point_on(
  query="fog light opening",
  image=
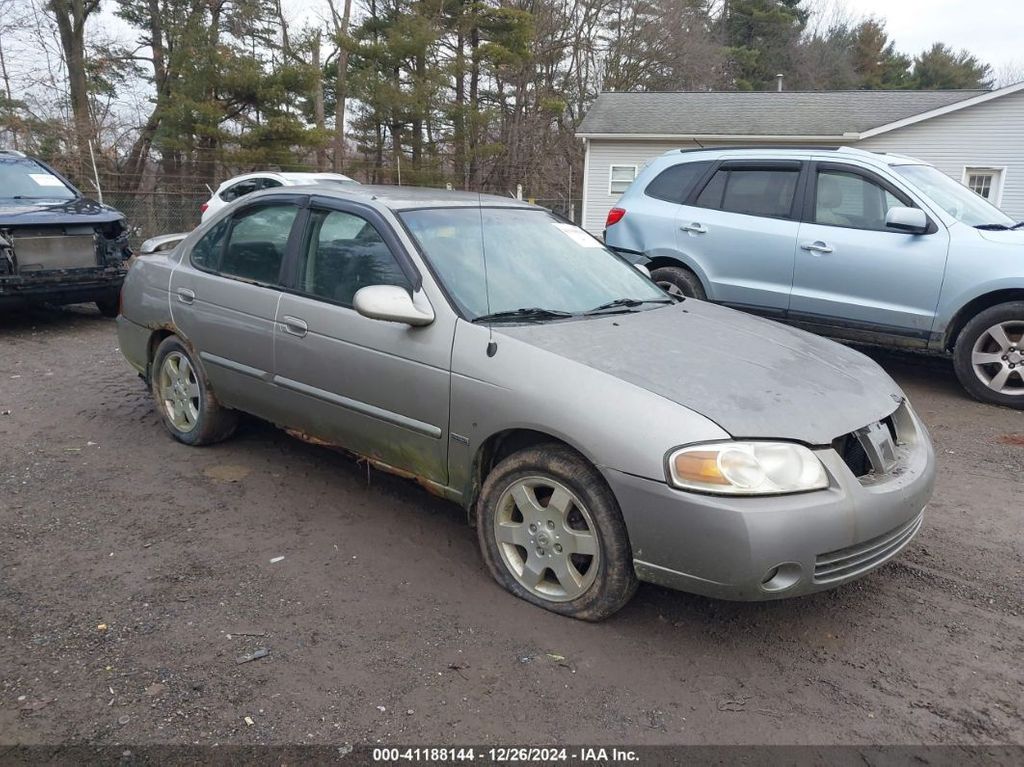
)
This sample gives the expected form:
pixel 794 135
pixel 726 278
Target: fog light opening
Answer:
pixel 782 577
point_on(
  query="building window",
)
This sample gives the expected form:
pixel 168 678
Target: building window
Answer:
pixel 984 182
pixel 620 177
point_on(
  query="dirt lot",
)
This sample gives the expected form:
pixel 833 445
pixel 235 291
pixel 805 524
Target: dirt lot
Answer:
pixel 134 571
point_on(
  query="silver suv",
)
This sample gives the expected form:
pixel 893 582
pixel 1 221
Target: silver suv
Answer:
pixel 868 247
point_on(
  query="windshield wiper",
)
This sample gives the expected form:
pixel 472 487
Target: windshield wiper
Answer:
pixel 629 303
pixel 1019 225
pixel 525 314
pixel 995 227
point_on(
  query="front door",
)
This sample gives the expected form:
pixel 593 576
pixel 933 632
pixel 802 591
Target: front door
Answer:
pixel 379 389
pixel 854 273
pixel 741 229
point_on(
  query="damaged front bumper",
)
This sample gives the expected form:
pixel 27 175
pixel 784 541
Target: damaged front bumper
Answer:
pixel 22 283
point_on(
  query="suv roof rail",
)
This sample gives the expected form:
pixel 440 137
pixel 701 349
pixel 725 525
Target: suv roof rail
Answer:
pixel 799 147
pixel 13 152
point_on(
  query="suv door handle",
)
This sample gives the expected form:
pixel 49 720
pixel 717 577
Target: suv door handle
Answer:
pixel 294 325
pixel 816 247
pixel 695 227
pixel 186 296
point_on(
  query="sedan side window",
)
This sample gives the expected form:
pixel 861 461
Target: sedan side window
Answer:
pixel 240 189
pixel 346 253
pixel 206 253
pixel 256 244
pixel 851 200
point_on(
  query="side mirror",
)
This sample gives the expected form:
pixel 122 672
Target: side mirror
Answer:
pixel 910 220
pixel 392 304
pixel 643 270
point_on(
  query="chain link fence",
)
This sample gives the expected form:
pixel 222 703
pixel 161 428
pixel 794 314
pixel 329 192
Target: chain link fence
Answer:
pixel 154 213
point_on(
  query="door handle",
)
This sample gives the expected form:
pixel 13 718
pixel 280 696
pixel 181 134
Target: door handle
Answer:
pixel 695 227
pixel 295 326
pixel 186 296
pixel 816 247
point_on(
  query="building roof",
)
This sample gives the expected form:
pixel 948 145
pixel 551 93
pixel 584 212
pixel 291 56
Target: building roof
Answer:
pixel 826 114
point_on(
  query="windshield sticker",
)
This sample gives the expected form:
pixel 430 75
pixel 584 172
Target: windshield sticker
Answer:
pixel 577 235
pixel 45 179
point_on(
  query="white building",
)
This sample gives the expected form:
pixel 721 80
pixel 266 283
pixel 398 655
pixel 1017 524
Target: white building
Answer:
pixel 975 136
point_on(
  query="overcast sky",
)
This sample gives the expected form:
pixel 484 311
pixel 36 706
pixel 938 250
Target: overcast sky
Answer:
pixel 993 30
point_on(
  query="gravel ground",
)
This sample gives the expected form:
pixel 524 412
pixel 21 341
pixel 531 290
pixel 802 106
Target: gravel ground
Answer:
pixel 135 572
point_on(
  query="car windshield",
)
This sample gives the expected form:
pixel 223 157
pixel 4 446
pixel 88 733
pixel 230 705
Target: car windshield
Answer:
pixel 956 199
pixel 536 265
pixel 25 179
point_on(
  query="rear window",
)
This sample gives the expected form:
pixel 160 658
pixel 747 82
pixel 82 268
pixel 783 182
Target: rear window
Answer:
pixel 25 179
pixel 675 184
pixel 751 191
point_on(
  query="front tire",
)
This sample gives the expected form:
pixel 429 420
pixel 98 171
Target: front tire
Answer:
pixel 551 532
pixel 189 410
pixel 989 355
pixel 679 281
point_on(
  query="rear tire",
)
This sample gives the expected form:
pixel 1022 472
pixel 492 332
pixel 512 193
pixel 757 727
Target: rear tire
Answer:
pixel 188 408
pixel 109 306
pixel 679 281
pixel 551 532
pixel 989 355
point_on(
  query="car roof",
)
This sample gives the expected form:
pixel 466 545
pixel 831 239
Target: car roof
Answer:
pixel 304 175
pixel 408 197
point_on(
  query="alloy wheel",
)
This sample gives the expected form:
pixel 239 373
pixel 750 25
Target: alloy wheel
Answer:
pixel 179 391
pixel 998 357
pixel 547 539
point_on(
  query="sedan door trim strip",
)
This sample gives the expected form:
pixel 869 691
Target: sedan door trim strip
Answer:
pixel 237 367
pixel 419 427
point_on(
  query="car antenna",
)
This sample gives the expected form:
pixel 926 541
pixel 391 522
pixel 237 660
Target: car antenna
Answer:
pixel 492 345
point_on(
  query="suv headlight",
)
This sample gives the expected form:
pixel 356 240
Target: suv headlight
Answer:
pixel 746 468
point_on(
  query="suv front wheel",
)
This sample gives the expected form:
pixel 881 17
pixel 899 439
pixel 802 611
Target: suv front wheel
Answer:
pixel 989 355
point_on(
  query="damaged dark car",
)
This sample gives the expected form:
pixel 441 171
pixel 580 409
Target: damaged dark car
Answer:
pixel 56 246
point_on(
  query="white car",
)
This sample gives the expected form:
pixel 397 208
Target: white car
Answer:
pixel 239 186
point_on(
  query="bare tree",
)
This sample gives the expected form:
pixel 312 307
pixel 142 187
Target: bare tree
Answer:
pixel 341 23
pixel 71 17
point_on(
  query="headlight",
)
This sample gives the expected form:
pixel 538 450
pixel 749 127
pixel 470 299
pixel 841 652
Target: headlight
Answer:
pixel 746 468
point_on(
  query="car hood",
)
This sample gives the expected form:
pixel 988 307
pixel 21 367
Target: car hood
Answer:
pixel 1003 236
pixel 753 377
pixel 81 210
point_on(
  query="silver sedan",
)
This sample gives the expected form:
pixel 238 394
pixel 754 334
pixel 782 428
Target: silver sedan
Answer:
pixel 597 430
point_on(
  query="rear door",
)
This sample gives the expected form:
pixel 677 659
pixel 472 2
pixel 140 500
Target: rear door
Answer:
pixel 740 228
pixel 224 299
pixel 380 389
pixel 851 271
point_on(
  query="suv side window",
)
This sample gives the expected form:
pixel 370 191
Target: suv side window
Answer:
pixel 751 191
pixel 849 199
pixel 674 184
pixel 344 254
pixel 256 243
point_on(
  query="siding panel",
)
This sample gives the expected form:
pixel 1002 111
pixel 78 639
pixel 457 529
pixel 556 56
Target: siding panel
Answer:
pixel 990 134
pixel 604 154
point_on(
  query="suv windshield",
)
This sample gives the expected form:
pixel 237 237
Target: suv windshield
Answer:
pixel 25 179
pixel 537 266
pixel 956 199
